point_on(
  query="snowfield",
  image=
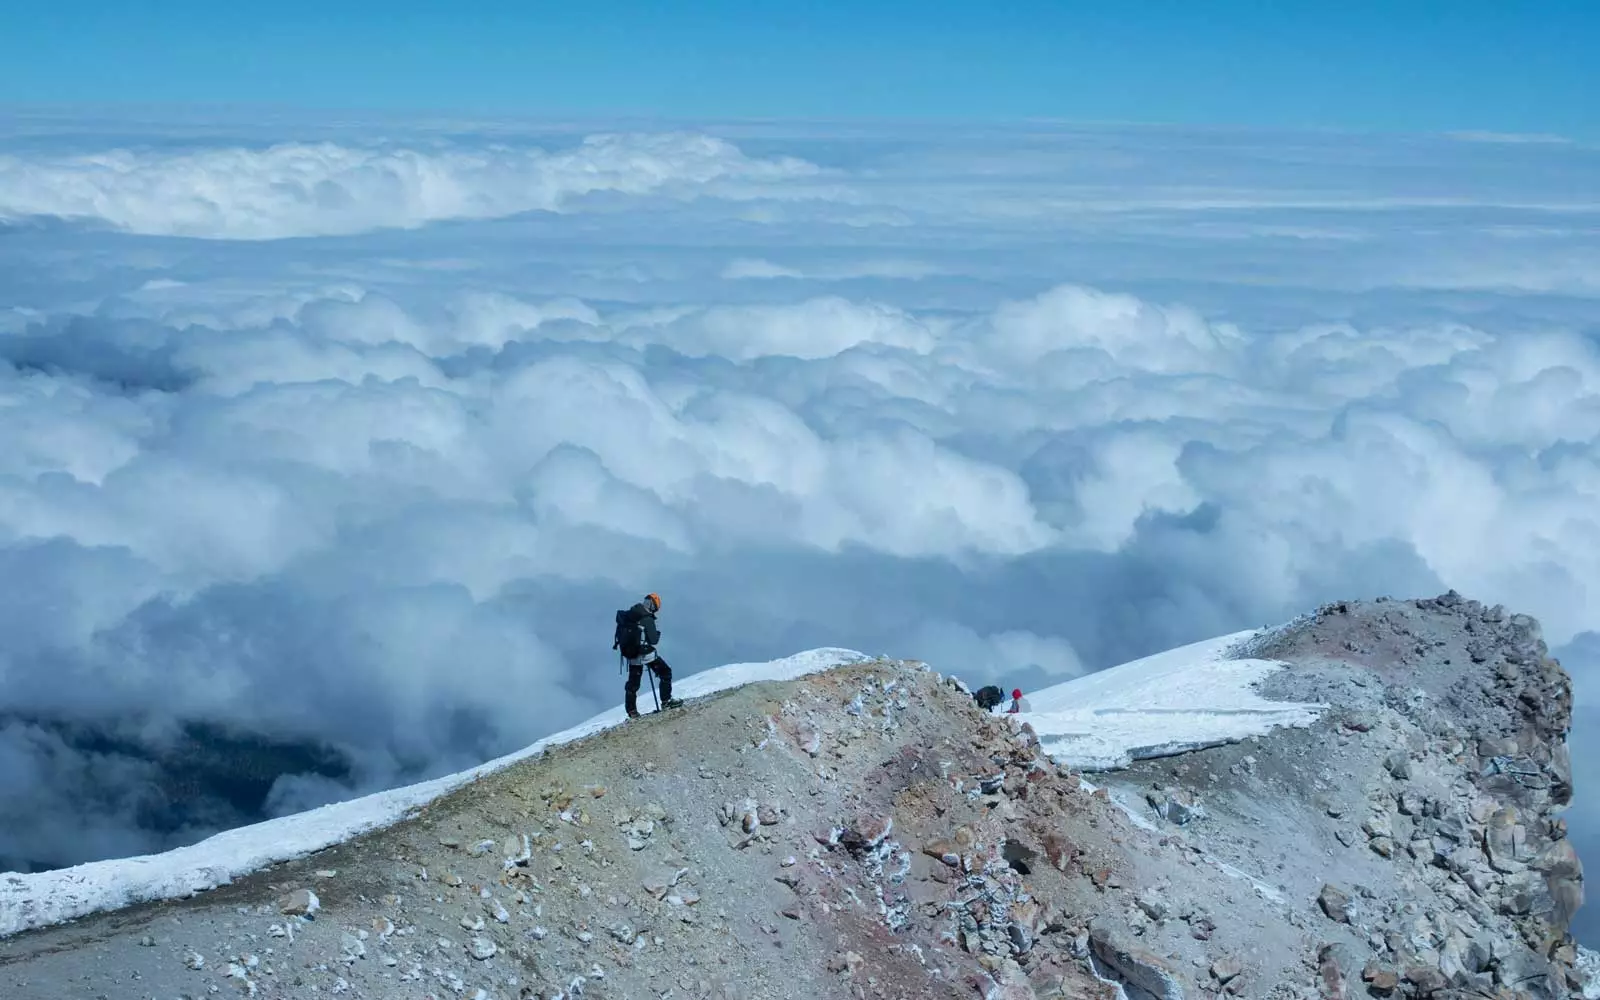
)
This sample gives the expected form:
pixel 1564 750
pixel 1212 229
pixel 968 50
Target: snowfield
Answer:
pixel 1184 699
pixel 45 898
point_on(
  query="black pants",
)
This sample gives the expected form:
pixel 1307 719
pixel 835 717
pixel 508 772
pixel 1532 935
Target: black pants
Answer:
pixel 630 690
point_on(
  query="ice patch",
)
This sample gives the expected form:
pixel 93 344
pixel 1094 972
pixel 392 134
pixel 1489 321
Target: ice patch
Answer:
pixel 45 898
pixel 1184 699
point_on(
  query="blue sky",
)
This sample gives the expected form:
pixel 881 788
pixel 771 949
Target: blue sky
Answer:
pixel 1422 65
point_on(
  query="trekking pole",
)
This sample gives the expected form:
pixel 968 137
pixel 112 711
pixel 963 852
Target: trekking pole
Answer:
pixel 652 672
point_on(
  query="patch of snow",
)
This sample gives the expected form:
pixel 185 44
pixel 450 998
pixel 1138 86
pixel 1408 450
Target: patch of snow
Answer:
pixel 1119 799
pixel 1131 809
pixel 1588 966
pixel 1184 699
pixel 45 898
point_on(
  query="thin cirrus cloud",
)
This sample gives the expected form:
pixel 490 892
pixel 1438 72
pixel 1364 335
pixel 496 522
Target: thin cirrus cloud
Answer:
pixel 378 487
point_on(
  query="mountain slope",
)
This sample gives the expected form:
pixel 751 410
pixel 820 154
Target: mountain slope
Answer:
pixel 45 898
pixel 1381 818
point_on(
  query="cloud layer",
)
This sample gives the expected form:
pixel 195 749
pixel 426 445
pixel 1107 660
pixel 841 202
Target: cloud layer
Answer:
pixel 382 492
pixel 325 189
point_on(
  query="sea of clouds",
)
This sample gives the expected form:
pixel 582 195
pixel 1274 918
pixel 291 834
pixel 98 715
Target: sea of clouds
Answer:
pixel 358 432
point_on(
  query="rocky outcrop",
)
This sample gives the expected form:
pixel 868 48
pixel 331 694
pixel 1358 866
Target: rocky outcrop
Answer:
pixel 1451 721
pixel 869 832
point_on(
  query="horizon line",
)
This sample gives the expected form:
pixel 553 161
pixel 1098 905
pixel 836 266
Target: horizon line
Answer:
pixel 554 118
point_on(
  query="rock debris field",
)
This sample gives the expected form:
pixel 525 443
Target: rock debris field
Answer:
pixel 868 832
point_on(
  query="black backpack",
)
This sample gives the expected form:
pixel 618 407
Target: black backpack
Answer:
pixel 988 696
pixel 629 634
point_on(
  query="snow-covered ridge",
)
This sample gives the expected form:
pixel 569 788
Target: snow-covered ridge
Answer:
pixel 1193 696
pixel 45 898
pixel 1184 699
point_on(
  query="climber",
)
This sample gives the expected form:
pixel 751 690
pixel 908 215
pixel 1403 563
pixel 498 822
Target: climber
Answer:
pixel 635 638
pixel 1017 704
pixel 988 697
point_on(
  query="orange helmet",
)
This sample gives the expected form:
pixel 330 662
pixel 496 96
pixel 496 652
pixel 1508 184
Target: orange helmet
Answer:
pixel 654 599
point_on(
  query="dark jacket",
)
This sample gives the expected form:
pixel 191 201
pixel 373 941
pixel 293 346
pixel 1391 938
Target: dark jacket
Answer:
pixel 643 619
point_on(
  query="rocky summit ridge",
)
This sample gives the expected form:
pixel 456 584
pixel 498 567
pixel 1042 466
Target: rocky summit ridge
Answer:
pixel 868 832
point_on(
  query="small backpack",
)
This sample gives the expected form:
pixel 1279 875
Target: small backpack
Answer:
pixel 988 696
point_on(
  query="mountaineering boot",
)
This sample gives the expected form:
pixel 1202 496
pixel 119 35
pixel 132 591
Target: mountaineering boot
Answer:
pixel 633 713
pixel 671 703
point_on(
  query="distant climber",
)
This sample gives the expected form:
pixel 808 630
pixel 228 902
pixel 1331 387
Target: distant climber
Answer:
pixel 1017 703
pixel 636 637
pixel 988 697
